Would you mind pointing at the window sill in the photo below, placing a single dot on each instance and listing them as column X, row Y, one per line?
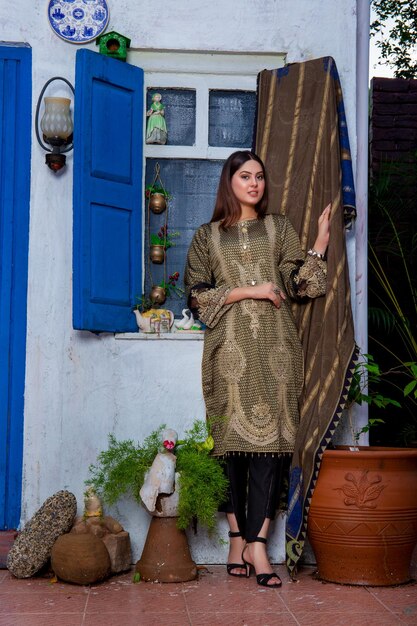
column 172, row 336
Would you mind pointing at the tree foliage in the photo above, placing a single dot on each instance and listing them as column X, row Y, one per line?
column 395, row 29
column 393, row 293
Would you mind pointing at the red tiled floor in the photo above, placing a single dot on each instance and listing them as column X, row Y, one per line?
column 215, row 599
column 41, row 620
column 137, row 619
column 48, row 601
column 401, row 600
column 345, row 619
column 242, row 619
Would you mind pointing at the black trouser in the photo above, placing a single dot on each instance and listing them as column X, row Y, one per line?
column 254, row 490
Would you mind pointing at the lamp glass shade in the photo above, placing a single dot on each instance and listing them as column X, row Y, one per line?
column 56, row 123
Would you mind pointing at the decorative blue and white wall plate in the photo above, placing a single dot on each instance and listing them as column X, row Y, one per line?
column 78, row 21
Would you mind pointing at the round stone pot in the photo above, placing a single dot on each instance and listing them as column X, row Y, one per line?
column 80, row 559
column 157, row 203
column 166, row 556
column 362, row 523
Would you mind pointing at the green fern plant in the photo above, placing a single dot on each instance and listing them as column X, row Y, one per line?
column 121, row 469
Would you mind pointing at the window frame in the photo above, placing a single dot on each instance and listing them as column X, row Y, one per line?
column 202, row 72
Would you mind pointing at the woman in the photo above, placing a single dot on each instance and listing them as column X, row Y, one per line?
column 241, row 268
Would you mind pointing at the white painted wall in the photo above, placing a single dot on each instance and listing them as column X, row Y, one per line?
column 80, row 387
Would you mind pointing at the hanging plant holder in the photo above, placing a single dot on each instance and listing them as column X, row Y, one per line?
column 158, row 294
column 157, row 254
column 159, row 242
column 157, row 203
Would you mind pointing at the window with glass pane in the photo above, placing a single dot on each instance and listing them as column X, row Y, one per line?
column 231, row 118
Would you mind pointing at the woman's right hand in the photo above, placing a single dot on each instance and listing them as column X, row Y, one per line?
column 265, row 291
column 268, row 291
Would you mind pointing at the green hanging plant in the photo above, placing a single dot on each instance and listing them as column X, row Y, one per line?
column 121, row 470
column 151, row 189
column 164, row 238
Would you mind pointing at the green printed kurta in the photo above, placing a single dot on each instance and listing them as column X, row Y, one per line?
column 252, row 367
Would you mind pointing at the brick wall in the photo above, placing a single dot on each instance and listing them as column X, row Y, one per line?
column 393, row 123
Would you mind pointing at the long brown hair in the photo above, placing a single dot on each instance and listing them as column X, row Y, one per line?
column 227, row 207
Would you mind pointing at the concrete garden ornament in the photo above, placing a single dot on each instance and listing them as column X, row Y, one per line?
column 166, row 556
column 96, row 546
column 161, row 478
column 178, row 482
column 187, row 322
column 33, row 547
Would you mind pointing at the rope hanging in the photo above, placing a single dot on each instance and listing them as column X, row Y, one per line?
column 157, row 178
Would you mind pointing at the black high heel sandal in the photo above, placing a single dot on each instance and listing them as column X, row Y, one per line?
column 231, row 566
column 261, row 579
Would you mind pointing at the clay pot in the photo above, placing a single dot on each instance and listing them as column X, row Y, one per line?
column 157, row 254
column 157, row 203
column 166, row 556
column 80, row 558
column 158, row 294
column 362, row 523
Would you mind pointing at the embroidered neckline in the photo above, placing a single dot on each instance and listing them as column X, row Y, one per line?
column 249, row 219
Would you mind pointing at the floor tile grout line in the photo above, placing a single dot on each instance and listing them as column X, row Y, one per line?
column 370, row 590
column 184, row 595
column 84, row 615
column 289, row 610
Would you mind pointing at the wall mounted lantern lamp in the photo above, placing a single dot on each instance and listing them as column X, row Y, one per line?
column 56, row 125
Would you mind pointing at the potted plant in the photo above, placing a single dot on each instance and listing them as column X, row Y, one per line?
column 157, row 197
column 121, row 470
column 166, row 289
column 178, row 481
column 362, row 522
column 160, row 242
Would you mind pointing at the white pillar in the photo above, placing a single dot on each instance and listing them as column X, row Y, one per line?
column 361, row 227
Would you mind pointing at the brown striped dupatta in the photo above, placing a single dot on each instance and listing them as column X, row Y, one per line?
column 301, row 136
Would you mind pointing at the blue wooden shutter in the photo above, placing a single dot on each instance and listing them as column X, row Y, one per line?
column 108, row 143
column 15, row 134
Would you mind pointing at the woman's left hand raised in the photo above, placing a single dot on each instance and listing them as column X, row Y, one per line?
column 323, row 234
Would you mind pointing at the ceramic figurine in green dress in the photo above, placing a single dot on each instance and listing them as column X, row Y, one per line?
column 156, row 130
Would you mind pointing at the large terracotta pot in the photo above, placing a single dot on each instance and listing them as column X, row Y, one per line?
column 362, row 522
column 166, row 556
